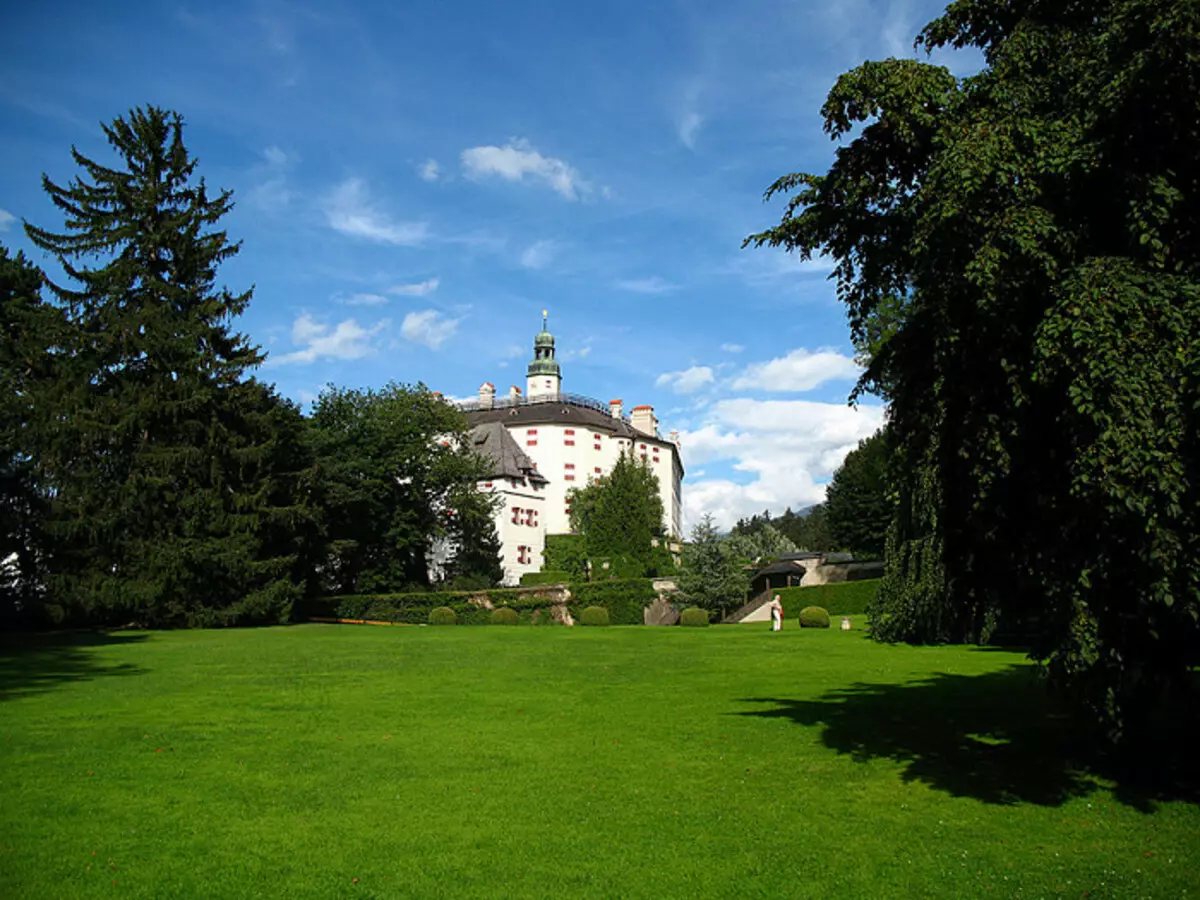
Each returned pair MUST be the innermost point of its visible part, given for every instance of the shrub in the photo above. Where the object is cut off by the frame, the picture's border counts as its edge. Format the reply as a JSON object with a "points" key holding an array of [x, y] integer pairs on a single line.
{"points": [[694, 617], [551, 576], [444, 615], [594, 615], [842, 598], [625, 600], [814, 617], [504, 616]]}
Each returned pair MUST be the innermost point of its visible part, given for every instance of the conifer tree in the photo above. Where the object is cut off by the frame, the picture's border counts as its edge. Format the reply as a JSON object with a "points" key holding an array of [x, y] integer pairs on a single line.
{"points": [[176, 475], [620, 514]]}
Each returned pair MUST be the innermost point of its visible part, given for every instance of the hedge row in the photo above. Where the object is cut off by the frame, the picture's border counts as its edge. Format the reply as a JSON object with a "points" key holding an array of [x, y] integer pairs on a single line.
{"points": [[535, 578], [843, 598], [624, 601]]}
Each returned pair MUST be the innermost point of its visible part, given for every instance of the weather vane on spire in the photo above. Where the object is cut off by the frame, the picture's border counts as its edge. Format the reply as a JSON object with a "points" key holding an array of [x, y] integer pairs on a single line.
{"points": [[544, 315]]}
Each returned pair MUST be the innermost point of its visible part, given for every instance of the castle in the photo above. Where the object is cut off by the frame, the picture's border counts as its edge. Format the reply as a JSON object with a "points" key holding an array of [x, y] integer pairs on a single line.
{"points": [[542, 442]]}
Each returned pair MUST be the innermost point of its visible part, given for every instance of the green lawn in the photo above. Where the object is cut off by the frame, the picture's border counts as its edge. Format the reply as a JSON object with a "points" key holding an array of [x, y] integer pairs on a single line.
{"points": [[353, 761]]}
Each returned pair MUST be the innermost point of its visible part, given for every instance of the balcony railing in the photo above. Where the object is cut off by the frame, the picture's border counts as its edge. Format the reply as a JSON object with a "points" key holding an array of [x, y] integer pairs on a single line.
{"points": [[521, 400]]}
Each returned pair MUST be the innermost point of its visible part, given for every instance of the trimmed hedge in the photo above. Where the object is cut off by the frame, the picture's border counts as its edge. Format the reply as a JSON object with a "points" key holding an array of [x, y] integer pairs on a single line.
{"points": [[694, 617], [814, 617], [505, 615], [594, 615], [843, 598], [443, 615], [551, 577], [624, 601]]}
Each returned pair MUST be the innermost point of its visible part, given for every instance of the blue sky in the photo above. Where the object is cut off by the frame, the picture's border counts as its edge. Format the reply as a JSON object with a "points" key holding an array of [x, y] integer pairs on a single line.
{"points": [[416, 181]]}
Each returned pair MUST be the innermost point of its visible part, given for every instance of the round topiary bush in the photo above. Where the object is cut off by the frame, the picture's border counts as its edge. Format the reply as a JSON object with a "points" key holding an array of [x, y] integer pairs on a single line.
{"points": [[814, 617], [505, 615], [443, 615], [694, 617], [594, 615]]}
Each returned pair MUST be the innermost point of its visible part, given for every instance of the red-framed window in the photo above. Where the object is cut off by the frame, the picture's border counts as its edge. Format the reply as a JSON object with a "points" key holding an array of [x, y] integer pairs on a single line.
{"points": [[516, 518], [531, 443], [568, 478], [568, 465], [570, 431], [523, 554], [531, 518], [597, 470], [532, 432]]}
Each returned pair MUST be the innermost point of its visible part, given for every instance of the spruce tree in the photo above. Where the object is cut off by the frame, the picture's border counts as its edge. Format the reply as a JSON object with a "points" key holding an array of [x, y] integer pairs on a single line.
{"points": [[176, 475]]}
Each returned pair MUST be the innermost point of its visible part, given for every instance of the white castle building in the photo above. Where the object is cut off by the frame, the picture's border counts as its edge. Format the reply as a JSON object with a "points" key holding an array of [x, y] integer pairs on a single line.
{"points": [[543, 442]]}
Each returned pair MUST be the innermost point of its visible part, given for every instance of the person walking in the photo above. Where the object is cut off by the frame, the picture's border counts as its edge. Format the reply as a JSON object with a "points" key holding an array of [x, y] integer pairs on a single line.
{"points": [[776, 614]]}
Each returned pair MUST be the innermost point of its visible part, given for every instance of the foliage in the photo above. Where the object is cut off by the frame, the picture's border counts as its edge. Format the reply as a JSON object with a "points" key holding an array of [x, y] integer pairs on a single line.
{"points": [[807, 530], [594, 615], [620, 514], [397, 475], [566, 553], [178, 486], [842, 598], [758, 545], [814, 617], [505, 615], [442, 615], [858, 502], [713, 577], [1036, 223], [624, 600], [545, 577], [694, 617]]}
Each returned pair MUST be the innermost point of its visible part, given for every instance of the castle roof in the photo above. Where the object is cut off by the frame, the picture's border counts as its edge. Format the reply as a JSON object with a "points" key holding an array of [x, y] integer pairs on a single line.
{"points": [[492, 441]]}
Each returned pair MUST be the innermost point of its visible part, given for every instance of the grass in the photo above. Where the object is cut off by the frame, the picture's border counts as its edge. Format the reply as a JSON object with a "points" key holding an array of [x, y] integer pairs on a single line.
{"points": [[345, 761]]}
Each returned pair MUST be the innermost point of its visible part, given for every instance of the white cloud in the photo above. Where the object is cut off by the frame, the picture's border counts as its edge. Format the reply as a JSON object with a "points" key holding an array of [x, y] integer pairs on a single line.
{"points": [[429, 170], [6, 219], [275, 156], [516, 159], [418, 289], [539, 254], [732, 348], [364, 300], [316, 340], [688, 381], [350, 212], [274, 191], [789, 447], [689, 127], [800, 370], [428, 327], [651, 285]]}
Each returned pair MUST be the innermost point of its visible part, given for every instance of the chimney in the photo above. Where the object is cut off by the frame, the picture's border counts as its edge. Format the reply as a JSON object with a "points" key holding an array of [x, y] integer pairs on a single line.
{"points": [[643, 420], [514, 394], [487, 395], [673, 437], [614, 406]]}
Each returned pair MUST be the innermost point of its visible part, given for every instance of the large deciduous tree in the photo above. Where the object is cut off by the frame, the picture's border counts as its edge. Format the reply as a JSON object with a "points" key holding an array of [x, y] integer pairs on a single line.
{"points": [[176, 478], [1019, 255], [397, 474]]}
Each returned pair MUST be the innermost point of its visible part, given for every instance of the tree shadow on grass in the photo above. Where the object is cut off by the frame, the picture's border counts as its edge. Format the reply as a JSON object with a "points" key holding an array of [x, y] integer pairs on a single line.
{"points": [[994, 737], [35, 663]]}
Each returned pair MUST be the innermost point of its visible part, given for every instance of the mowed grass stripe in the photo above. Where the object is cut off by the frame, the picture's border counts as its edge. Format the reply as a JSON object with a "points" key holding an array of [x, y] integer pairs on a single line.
{"points": [[482, 762]]}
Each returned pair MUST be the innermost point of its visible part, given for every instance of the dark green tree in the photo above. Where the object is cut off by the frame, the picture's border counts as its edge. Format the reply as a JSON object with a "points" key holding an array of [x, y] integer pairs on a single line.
{"points": [[713, 575], [858, 502], [470, 534], [1037, 224], [620, 516], [396, 470], [30, 331], [177, 479]]}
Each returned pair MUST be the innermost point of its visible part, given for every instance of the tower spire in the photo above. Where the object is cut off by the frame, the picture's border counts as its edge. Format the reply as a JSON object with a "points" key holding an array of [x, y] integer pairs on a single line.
{"points": [[544, 316]]}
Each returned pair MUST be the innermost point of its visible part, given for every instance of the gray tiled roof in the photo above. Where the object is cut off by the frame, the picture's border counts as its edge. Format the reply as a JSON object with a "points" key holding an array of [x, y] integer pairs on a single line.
{"points": [[492, 441], [567, 414]]}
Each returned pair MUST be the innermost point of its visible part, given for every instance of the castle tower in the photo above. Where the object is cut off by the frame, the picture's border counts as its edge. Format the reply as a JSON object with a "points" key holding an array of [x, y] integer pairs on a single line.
{"points": [[544, 377]]}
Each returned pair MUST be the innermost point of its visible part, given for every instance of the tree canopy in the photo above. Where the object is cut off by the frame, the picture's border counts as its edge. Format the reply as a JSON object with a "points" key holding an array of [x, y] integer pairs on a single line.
{"points": [[1018, 255], [620, 516], [713, 575], [858, 501]]}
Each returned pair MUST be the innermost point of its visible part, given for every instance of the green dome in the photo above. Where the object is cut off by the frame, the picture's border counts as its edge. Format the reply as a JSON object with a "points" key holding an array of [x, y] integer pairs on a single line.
{"points": [[543, 339]]}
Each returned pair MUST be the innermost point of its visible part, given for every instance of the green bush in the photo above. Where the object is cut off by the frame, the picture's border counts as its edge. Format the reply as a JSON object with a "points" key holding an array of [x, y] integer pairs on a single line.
{"points": [[814, 617], [543, 616], [625, 600], [842, 598], [694, 617], [444, 615], [594, 615], [504, 616], [551, 576]]}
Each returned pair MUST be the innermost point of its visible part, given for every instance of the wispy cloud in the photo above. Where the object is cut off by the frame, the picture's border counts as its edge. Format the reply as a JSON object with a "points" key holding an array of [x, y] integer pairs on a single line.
{"points": [[732, 348], [6, 219], [689, 127], [651, 285], [318, 340], [800, 370], [428, 327], [539, 254], [517, 159], [687, 381], [364, 299], [417, 289], [350, 212], [429, 170]]}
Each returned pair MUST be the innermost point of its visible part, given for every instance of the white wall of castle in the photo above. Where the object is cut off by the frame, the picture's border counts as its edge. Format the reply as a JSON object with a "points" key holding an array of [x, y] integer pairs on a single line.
{"points": [[520, 519]]}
